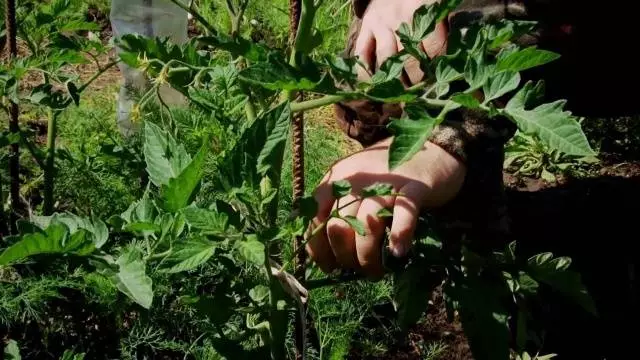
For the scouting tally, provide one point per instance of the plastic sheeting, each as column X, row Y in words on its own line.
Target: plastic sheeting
column 152, row 18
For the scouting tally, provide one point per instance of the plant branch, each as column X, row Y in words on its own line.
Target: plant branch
column 196, row 16
column 316, row 103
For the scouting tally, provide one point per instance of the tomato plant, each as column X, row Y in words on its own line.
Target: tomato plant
column 174, row 229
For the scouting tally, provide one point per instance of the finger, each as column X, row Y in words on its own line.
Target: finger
column 435, row 44
column 320, row 252
column 318, row 246
column 365, row 50
column 406, row 210
column 368, row 246
column 341, row 236
column 386, row 46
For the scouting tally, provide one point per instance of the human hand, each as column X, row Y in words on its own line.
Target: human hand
column 378, row 41
column 430, row 179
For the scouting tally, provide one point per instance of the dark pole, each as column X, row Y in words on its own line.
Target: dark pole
column 14, row 128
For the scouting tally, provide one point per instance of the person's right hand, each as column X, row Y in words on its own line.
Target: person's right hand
column 378, row 41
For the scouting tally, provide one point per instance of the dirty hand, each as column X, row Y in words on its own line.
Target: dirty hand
column 377, row 39
column 430, row 179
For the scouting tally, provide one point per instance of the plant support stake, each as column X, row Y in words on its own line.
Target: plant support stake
column 297, row 119
column 14, row 127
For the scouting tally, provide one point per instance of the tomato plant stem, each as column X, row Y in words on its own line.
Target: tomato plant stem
column 197, row 16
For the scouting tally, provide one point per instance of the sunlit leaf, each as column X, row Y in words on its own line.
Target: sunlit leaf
column 251, row 250
column 340, row 188
column 410, row 136
column 206, row 220
column 131, row 279
column 180, row 190
column 188, row 255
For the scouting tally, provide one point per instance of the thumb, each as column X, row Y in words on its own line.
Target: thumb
column 406, row 210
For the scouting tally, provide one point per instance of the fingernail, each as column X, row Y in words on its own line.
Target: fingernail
column 398, row 250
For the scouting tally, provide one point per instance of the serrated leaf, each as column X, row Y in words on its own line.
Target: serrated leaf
column 525, row 59
column 392, row 91
column 500, row 84
column 390, row 69
column 251, row 250
column 409, row 138
column 483, row 318
column 237, row 46
column 340, row 188
column 165, row 159
column 555, row 273
column 179, row 191
column 277, row 74
column 377, row 189
column 12, row 351
column 466, row 100
column 355, row 224
column 556, row 128
column 476, row 72
column 188, row 255
column 207, row 220
column 131, row 279
column 445, row 72
column 272, row 153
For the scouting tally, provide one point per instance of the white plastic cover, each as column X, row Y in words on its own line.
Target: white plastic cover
column 153, row 18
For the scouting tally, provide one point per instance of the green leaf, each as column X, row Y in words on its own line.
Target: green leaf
column 74, row 93
column 272, row 154
column 483, row 318
column 476, row 71
column 556, row 128
column 207, row 220
column 390, row 69
column 555, row 273
column 259, row 293
column 55, row 239
column 445, row 72
column 78, row 25
column 277, row 74
column 340, row 188
column 239, row 167
column 377, row 189
column 165, row 159
column 188, row 255
column 525, row 59
column 12, row 351
column 71, row 355
column 466, row 100
column 415, row 280
column 409, row 138
column 131, row 279
column 251, row 250
column 384, row 213
column 392, row 91
column 179, row 191
column 308, row 206
column 238, row 46
column 500, row 84
column 142, row 227
column 355, row 224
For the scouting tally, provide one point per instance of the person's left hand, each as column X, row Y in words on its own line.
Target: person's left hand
column 430, row 179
